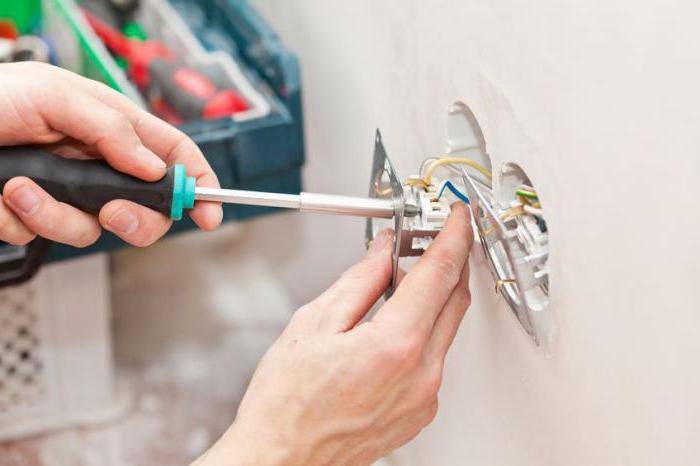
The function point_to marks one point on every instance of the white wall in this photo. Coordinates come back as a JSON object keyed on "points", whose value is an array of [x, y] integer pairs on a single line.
{"points": [[598, 101]]}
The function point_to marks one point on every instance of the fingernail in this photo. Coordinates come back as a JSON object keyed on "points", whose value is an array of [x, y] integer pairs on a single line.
{"points": [[458, 205], [25, 199], [124, 222], [379, 242], [149, 157]]}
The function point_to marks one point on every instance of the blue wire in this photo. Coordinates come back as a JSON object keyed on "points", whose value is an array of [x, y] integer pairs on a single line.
{"points": [[455, 191]]}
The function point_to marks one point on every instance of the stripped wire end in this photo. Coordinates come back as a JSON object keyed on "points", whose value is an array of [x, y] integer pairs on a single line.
{"points": [[447, 184]]}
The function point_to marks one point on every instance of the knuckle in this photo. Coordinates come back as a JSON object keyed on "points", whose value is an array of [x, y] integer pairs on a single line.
{"points": [[402, 353], [100, 90], [429, 413], [118, 122], [303, 310], [448, 270], [140, 122], [466, 298], [426, 387], [36, 67], [182, 145], [301, 316], [431, 385], [365, 275], [463, 298], [111, 125]]}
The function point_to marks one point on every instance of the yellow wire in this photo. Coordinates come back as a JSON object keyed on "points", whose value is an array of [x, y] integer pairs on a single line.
{"points": [[428, 177], [415, 182]]}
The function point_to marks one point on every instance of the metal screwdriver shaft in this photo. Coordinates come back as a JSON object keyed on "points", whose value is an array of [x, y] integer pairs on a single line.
{"points": [[305, 202]]}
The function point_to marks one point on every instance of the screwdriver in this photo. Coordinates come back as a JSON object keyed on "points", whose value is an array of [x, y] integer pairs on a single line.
{"points": [[90, 184], [177, 92]]}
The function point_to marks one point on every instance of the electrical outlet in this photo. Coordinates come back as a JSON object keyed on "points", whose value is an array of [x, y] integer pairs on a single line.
{"points": [[506, 213], [511, 227]]}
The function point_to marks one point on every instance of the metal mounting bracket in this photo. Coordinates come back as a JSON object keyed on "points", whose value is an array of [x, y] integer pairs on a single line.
{"points": [[384, 184]]}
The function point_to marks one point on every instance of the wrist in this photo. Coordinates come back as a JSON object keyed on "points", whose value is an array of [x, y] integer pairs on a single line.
{"points": [[238, 447]]}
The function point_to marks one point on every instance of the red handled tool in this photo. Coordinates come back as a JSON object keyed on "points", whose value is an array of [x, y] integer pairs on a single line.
{"points": [[177, 92]]}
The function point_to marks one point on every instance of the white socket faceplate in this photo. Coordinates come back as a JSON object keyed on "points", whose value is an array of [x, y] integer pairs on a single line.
{"points": [[516, 246]]}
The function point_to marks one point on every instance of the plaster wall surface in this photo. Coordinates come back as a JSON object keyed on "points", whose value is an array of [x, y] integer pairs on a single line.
{"points": [[598, 102]]}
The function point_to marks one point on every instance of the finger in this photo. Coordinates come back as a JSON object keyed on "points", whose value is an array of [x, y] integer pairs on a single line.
{"points": [[447, 323], [12, 230], [135, 224], [207, 215], [47, 217], [73, 149], [349, 299], [87, 119], [427, 287], [167, 142]]}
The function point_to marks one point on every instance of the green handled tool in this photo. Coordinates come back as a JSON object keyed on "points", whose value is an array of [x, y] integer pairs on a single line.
{"points": [[90, 184]]}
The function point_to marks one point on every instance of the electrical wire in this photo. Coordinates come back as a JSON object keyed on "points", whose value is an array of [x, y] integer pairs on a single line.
{"points": [[415, 182], [448, 184], [422, 165], [512, 212], [428, 177], [532, 210], [425, 176], [527, 194]]}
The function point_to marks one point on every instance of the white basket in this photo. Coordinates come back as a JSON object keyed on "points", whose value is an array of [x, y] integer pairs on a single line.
{"points": [[55, 349]]}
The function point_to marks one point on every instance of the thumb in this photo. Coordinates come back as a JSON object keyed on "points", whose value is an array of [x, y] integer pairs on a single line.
{"points": [[349, 299]]}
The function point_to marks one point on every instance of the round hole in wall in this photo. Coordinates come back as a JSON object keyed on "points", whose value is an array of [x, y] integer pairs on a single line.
{"points": [[464, 135]]}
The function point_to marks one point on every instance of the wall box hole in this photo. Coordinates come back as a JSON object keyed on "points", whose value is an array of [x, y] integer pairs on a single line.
{"points": [[511, 226], [464, 135]]}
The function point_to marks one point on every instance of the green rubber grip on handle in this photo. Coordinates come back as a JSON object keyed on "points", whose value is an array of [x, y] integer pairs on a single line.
{"points": [[90, 184]]}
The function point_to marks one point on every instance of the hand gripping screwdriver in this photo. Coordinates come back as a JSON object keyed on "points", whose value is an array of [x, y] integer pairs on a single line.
{"points": [[90, 184]]}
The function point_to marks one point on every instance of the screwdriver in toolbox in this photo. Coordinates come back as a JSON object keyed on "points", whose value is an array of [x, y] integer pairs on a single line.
{"points": [[90, 184], [177, 92]]}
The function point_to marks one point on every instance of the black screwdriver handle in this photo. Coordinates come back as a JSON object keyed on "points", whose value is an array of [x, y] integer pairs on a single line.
{"points": [[85, 184]]}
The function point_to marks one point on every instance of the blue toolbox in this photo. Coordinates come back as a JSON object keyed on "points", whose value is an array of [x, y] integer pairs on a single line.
{"points": [[259, 148]]}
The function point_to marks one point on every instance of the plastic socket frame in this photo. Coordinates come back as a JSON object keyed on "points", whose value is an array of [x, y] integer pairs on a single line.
{"points": [[417, 218]]}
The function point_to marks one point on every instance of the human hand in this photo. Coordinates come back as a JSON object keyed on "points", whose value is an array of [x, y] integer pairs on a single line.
{"points": [[337, 390], [80, 118]]}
